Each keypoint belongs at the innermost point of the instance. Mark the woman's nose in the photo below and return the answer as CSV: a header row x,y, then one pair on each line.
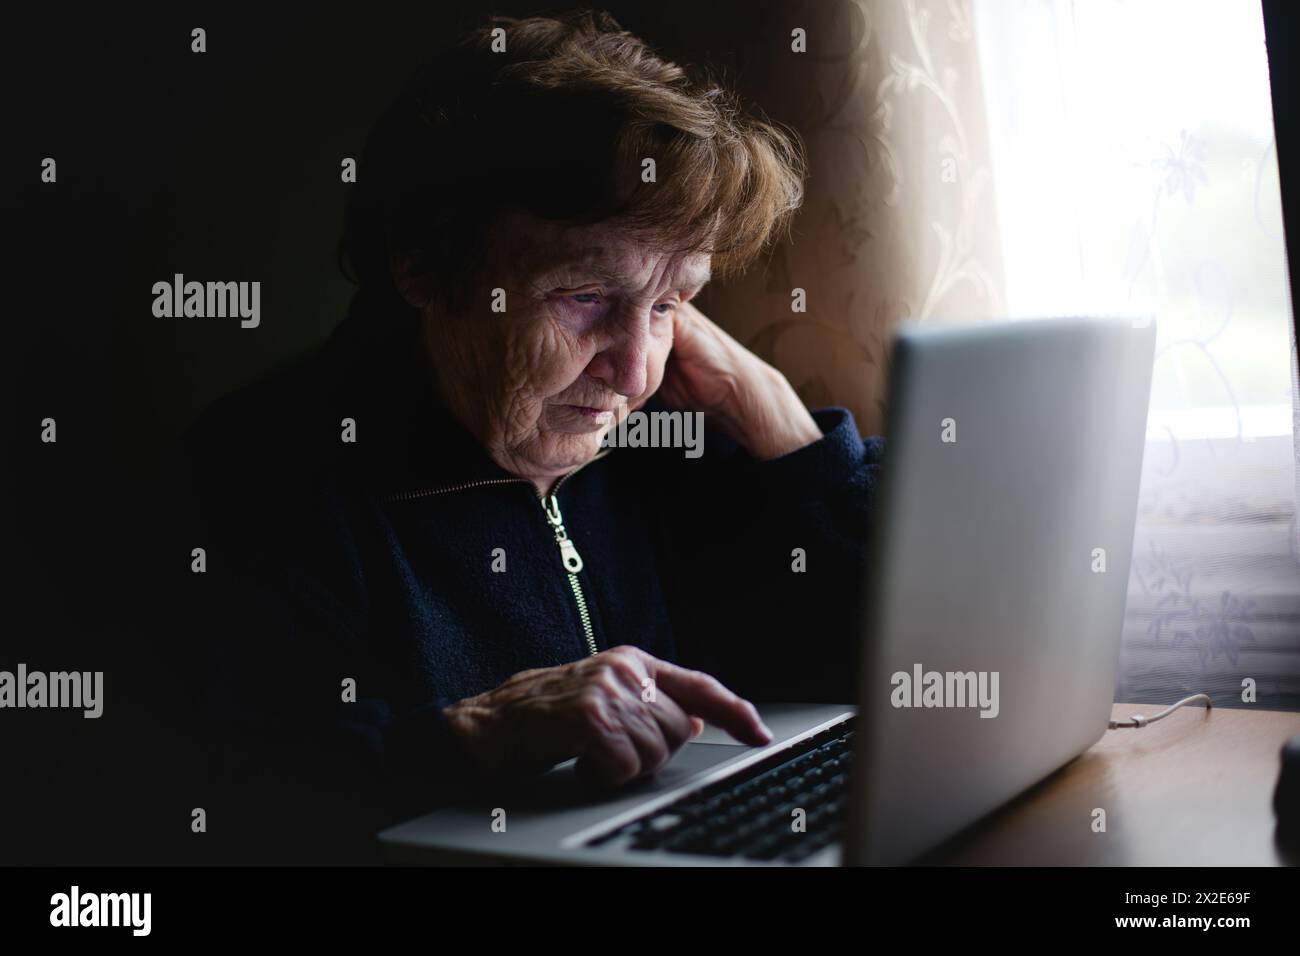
x,y
622,365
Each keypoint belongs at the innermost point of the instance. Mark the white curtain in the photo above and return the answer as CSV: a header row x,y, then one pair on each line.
x,y
1134,172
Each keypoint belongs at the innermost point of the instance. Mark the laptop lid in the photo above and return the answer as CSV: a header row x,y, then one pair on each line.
x,y
996,591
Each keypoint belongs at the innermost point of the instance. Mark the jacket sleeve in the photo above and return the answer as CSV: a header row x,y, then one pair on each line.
x,y
765,562
267,634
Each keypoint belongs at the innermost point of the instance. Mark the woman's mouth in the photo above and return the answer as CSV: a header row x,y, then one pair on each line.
x,y
597,416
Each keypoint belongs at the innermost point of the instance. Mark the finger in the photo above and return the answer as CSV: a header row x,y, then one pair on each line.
x,y
675,724
641,727
633,666
698,693
704,696
688,312
685,317
608,757
621,739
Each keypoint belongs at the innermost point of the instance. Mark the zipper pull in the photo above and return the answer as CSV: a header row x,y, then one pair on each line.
x,y
568,553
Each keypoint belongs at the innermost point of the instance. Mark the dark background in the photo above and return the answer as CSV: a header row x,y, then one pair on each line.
x,y
223,166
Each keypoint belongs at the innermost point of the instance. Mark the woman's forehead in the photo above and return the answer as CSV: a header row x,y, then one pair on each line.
x,y
597,252
618,256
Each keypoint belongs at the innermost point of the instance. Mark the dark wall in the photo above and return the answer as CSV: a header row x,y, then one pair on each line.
x,y
221,166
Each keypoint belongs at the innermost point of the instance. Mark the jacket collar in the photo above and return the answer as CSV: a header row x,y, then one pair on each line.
x,y
407,438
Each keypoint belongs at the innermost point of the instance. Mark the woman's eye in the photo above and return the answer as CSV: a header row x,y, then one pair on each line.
x,y
586,298
663,308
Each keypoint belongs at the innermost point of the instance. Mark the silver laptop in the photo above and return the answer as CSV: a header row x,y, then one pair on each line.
x,y
993,612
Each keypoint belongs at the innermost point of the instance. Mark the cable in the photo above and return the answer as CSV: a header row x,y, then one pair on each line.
x,y
1137,720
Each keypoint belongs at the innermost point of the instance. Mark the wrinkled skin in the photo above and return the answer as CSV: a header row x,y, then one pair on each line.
x,y
591,318
595,322
595,709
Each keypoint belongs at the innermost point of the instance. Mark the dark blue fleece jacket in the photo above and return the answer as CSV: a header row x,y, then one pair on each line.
x,y
376,561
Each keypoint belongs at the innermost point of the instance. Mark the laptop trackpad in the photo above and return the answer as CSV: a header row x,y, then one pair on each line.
x,y
561,788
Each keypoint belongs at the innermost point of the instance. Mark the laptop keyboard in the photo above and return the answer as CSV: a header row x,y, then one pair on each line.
x,y
750,814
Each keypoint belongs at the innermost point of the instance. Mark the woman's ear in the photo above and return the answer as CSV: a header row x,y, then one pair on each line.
x,y
416,288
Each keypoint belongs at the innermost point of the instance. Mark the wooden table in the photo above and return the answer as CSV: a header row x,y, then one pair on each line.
x,y
1194,789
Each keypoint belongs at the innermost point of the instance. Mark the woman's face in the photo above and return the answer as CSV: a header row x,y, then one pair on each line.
x,y
586,329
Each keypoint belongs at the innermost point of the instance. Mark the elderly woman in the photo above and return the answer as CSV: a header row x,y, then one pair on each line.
x,y
428,569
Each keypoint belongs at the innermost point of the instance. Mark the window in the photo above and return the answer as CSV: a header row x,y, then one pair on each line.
x,y
1135,173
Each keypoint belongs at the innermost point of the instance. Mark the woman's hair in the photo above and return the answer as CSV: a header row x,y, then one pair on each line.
x,y
558,125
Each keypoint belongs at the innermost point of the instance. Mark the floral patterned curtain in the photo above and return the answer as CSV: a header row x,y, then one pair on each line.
x,y
899,220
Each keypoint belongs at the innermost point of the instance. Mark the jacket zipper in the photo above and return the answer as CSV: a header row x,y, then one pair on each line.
x,y
569,556
572,563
